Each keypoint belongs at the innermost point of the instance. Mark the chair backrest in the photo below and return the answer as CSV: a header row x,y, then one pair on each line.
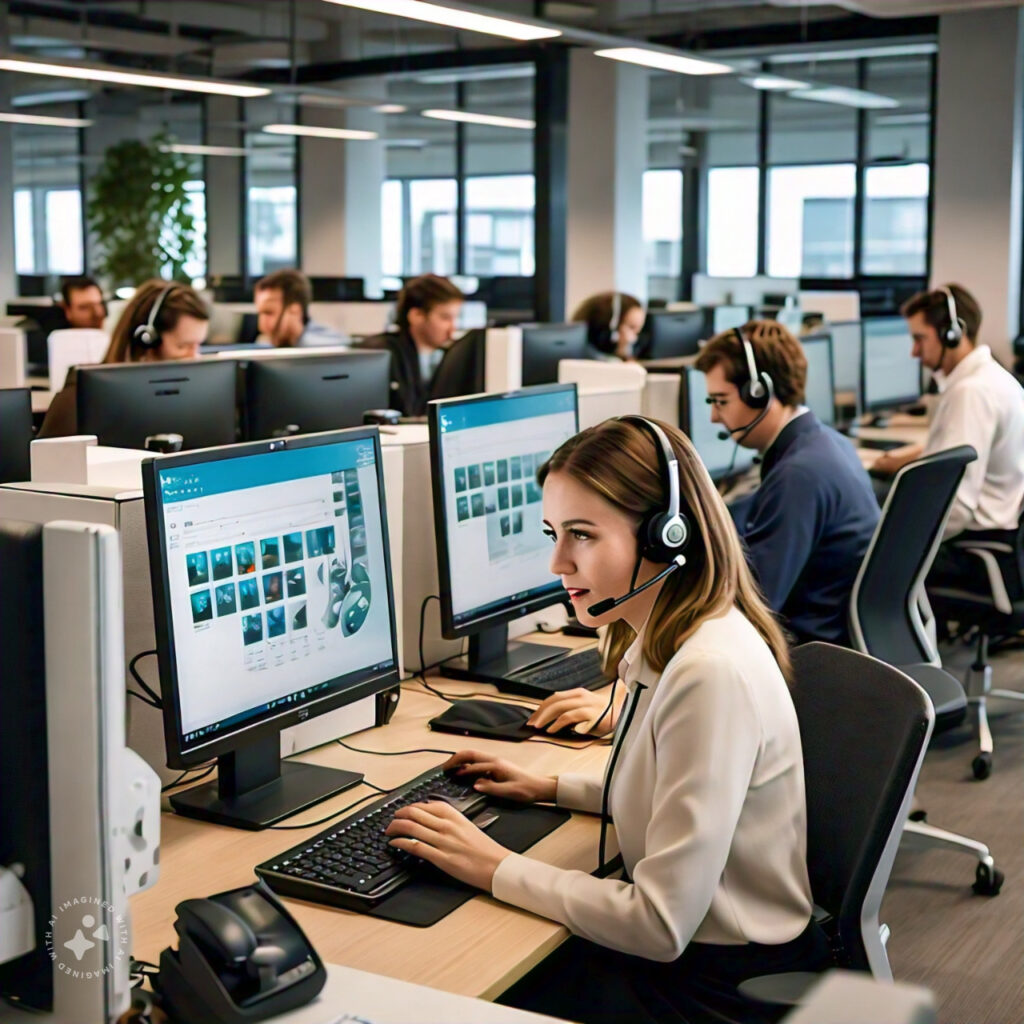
x,y
73,347
884,617
864,727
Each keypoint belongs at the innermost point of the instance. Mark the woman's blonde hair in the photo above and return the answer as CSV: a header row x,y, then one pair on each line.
x,y
619,460
180,300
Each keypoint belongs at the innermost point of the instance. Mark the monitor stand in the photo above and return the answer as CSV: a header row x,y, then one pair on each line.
x,y
254,788
492,659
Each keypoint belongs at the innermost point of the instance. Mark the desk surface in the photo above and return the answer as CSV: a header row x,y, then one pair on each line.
x,y
902,427
478,950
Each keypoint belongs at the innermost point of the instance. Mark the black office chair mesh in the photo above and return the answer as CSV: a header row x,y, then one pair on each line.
x,y
997,611
888,611
864,729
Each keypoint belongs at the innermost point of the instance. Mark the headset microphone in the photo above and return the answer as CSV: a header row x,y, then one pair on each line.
x,y
724,435
613,602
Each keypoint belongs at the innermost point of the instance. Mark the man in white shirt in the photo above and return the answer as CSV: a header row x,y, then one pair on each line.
x,y
980,404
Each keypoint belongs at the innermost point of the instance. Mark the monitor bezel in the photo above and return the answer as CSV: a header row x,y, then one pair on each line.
x,y
817,336
892,402
686,413
180,754
510,609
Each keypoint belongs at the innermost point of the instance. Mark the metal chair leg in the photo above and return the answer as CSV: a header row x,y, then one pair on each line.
x,y
979,683
988,879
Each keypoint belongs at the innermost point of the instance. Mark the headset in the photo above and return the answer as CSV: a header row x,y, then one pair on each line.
x,y
757,391
663,533
613,324
954,333
148,335
605,338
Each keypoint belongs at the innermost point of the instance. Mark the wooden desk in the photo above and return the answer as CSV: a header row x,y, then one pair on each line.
x,y
478,950
903,428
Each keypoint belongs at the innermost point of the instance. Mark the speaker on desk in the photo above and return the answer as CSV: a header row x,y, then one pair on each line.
x,y
387,704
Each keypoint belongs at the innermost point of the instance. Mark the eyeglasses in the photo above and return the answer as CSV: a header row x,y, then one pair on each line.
x,y
718,403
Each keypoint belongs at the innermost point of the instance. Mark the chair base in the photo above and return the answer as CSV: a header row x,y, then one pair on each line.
x,y
988,879
979,689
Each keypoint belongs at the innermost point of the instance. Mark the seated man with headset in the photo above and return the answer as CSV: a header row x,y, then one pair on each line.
x,y
809,523
980,404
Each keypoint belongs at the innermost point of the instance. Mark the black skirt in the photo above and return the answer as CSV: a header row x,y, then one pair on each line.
x,y
584,982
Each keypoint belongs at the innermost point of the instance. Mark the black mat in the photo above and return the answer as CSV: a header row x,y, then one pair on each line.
x,y
424,901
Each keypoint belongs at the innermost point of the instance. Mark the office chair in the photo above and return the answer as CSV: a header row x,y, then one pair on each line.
x,y
864,728
888,612
991,612
15,434
72,347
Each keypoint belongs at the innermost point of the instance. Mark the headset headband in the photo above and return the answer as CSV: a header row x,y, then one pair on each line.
x,y
757,389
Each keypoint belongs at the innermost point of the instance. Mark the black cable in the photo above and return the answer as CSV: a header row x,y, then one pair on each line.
x,y
328,817
148,690
183,777
606,791
145,700
377,788
394,753
450,698
570,745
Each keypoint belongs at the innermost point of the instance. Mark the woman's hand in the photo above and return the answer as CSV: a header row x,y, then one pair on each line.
x,y
446,838
504,779
581,708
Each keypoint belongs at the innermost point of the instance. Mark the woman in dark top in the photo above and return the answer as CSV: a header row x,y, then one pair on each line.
x,y
162,321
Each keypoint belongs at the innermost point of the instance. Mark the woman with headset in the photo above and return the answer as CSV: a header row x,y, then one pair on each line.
x,y
161,321
614,321
705,779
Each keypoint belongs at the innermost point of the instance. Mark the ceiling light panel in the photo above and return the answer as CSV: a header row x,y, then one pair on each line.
x,y
664,60
466,117
316,132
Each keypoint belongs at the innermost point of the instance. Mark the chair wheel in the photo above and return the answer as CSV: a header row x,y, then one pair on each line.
x,y
982,766
987,881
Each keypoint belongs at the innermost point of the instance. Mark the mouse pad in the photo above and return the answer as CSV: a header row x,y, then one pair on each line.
x,y
424,901
490,718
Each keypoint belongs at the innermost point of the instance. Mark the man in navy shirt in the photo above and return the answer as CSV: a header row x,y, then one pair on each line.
x,y
808,525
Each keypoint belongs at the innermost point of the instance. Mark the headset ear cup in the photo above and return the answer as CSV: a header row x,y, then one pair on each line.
x,y
663,536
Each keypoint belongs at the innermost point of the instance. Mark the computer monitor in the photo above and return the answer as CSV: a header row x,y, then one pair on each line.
x,y
15,434
727,318
820,393
492,555
545,345
890,375
667,335
273,603
847,342
338,289
722,457
312,393
123,404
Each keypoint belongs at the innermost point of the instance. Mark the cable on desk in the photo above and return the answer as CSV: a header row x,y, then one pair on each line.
x,y
452,697
183,777
394,753
145,700
143,685
331,817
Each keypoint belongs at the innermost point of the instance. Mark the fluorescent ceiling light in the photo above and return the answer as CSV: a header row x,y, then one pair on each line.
x,y
664,60
190,150
902,119
846,97
154,81
53,122
390,108
468,118
315,131
771,83
454,17
405,143
496,72
30,99
841,52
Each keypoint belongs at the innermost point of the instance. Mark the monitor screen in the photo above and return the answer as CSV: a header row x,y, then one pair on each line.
x,y
890,375
726,318
819,395
847,340
493,557
722,457
126,403
311,393
16,431
545,345
667,335
272,584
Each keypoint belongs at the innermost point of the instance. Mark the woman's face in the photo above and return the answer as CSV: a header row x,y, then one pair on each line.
x,y
595,551
182,341
631,325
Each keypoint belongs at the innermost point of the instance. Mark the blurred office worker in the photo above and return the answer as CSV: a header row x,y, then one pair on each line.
x,y
614,321
282,301
808,525
82,303
162,321
426,314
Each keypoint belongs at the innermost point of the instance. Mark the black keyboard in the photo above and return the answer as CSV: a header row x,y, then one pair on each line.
x,y
583,669
350,864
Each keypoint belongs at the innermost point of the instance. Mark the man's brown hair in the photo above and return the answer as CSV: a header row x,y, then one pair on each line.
x,y
935,306
293,285
776,352
424,292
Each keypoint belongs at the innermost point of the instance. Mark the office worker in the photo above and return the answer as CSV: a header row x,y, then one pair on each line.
x,y
426,314
82,303
161,321
705,782
614,321
282,300
809,523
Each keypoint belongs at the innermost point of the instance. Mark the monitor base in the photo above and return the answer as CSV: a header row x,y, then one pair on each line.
x,y
515,657
298,787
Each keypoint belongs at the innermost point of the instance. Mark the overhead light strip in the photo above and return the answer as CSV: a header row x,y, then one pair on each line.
x,y
664,60
454,17
316,132
467,117
773,83
96,73
846,97
194,150
52,122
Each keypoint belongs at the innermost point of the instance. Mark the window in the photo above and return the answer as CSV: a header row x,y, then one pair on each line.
x,y
392,220
24,243
64,231
810,221
195,266
271,228
733,205
896,220
663,232
499,225
432,204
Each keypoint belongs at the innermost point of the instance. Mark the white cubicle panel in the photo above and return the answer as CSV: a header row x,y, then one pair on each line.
x,y
73,347
503,359
250,352
12,357
835,307
226,321
661,397
604,389
356,319
472,313
744,291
